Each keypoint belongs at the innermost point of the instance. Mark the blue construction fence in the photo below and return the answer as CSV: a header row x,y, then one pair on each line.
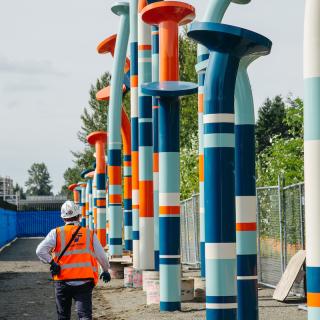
x,y
15,224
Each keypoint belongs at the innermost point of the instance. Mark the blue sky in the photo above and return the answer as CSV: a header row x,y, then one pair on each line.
x,y
48,61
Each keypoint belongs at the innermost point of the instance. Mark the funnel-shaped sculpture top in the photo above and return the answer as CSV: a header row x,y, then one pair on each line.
x,y
169,88
72,186
120,8
229,39
107,45
84,173
175,11
241,1
89,175
104,94
97,136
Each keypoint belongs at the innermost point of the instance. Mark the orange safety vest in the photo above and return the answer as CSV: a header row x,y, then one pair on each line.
x,y
79,261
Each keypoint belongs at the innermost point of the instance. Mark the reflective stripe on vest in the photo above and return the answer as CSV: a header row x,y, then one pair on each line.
x,y
76,264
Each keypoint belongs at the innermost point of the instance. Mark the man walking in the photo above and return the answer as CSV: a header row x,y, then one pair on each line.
x,y
76,252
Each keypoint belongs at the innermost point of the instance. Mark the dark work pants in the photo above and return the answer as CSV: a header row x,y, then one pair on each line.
x,y
82,296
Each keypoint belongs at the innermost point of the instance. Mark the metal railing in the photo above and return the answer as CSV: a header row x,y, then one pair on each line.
x,y
280,221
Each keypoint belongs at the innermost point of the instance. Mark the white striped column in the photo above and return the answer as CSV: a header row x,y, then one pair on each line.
x,y
312,153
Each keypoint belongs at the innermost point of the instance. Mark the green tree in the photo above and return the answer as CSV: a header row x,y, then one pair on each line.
x,y
271,122
284,155
19,190
39,182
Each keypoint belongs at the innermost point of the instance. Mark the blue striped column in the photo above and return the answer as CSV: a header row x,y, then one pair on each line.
x,y
230,44
214,13
246,226
155,117
312,153
134,129
90,201
94,196
169,15
84,175
114,129
146,220
82,203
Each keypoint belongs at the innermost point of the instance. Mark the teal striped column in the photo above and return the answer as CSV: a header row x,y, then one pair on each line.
x,y
114,129
134,129
82,203
312,153
214,13
246,226
146,220
155,129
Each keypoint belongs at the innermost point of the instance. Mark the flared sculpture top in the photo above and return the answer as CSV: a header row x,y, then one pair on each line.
x,y
241,1
104,94
107,45
229,39
84,173
89,175
97,136
179,12
72,186
169,88
120,8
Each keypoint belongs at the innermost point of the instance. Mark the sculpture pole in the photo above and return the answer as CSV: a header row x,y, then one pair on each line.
x,y
214,13
76,194
94,199
134,129
155,129
246,226
146,220
87,199
114,125
230,44
89,176
104,95
82,204
312,152
168,15
99,140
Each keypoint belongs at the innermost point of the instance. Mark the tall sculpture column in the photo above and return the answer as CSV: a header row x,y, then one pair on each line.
x,y
76,193
312,152
146,220
99,140
134,129
114,124
82,204
169,15
214,13
89,177
155,129
104,95
246,217
230,44
88,186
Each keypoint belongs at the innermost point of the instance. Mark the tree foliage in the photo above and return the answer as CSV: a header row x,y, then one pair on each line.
x,y
39,182
284,153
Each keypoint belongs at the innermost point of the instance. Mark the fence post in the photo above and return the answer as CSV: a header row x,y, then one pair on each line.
x,y
195,228
301,217
280,223
258,235
284,215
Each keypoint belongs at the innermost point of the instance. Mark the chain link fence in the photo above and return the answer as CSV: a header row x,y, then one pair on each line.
x,y
280,221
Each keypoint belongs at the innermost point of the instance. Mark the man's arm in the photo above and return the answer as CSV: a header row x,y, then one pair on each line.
x,y
100,254
45,247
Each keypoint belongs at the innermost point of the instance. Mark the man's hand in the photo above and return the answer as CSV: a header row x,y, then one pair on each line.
x,y
105,276
54,268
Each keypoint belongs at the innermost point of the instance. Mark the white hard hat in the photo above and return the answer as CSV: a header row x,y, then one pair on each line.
x,y
69,210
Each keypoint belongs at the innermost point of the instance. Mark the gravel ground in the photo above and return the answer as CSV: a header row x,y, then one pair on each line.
x,y
26,292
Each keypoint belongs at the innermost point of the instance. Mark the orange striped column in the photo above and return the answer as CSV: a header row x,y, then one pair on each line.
x,y
99,139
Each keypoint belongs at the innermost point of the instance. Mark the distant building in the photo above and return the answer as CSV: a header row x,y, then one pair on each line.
x,y
6,188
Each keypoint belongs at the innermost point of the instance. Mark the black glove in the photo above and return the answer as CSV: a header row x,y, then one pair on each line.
x,y
105,276
54,268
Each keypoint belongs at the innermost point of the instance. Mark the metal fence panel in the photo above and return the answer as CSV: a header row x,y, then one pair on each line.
x,y
8,226
280,221
270,236
37,223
